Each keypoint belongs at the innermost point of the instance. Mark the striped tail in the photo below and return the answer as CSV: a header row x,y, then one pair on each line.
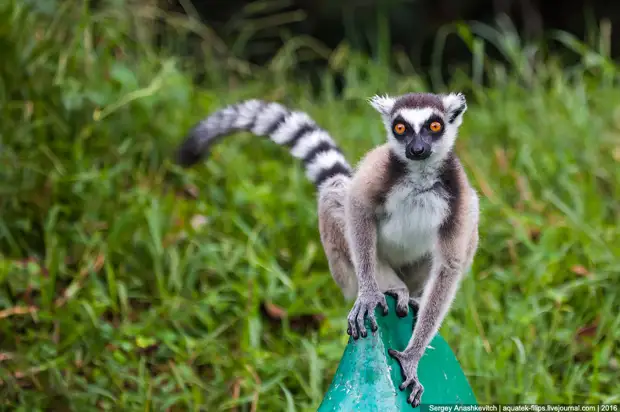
x,y
321,157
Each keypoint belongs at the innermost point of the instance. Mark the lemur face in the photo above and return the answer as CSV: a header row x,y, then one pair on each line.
x,y
421,126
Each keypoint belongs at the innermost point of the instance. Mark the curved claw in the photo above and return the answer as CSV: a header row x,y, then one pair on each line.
x,y
414,303
373,321
384,305
395,354
352,328
360,322
405,384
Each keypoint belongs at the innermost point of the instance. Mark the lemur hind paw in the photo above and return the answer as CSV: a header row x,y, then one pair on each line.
x,y
402,300
414,303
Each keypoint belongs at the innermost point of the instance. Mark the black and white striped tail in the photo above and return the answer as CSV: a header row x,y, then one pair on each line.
x,y
322,158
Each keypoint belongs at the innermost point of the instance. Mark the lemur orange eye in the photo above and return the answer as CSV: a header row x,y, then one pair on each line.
x,y
399,128
435,126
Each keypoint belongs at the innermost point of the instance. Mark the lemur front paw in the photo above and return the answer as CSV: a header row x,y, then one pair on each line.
x,y
365,303
409,369
402,300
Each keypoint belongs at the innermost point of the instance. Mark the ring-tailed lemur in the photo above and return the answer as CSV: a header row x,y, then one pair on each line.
x,y
404,223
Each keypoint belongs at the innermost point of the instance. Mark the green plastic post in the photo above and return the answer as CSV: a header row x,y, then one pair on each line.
x,y
367,378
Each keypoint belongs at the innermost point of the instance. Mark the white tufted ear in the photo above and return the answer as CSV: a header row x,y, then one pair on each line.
x,y
382,104
455,105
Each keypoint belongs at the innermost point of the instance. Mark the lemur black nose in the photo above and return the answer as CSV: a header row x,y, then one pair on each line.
x,y
418,151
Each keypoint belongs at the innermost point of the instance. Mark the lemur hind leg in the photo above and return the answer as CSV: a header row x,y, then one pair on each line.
x,y
415,275
392,285
332,232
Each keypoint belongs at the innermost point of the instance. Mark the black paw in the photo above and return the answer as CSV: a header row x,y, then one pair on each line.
x,y
402,301
365,304
414,303
409,369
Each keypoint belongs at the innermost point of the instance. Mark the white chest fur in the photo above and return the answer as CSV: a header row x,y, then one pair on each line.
x,y
409,221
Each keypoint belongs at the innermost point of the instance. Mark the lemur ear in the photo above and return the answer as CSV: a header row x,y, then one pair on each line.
x,y
382,104
455,105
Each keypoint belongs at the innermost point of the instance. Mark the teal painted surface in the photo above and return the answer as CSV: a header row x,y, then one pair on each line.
x,y
367,378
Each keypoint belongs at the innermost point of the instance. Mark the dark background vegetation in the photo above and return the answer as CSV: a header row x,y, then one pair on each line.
x,y
127,283
256,30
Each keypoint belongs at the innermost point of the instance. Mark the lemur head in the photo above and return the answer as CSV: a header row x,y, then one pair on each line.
x,y
421,126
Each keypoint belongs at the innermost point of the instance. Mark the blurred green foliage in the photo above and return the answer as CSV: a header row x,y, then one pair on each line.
x,y
126,283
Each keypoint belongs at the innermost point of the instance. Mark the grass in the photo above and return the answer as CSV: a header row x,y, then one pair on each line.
x,y
129,284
